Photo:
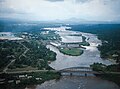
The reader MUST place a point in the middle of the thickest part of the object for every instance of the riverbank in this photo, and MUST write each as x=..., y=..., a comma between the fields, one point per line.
x=76, y=82
x=26, y=79
x=110, y=68
x=111, y=77
x=90, y=55
x=25, y=62
x=71, y=51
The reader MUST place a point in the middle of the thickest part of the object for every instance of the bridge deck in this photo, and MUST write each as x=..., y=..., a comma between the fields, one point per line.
x=85, y=70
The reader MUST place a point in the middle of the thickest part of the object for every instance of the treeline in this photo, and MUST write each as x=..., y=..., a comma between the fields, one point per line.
x=105, y=70
x=110, y=36
x=9, y=50
x=33, y=78
x=37, y=56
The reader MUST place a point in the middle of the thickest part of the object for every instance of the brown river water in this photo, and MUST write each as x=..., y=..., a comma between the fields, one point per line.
x=91, y=54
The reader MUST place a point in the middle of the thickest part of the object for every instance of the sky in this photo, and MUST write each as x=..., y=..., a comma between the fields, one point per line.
x=50, y=10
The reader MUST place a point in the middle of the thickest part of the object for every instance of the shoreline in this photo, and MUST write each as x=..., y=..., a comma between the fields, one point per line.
x=90, y=52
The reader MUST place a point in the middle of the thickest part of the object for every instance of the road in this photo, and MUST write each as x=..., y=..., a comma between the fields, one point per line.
x=4, y=70
x=61, y=71
x=27, y=71
x=23, y=54
x=89, y=72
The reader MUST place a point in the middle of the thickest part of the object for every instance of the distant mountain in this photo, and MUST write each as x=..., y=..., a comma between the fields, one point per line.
x=58, y=21
x=82, y=21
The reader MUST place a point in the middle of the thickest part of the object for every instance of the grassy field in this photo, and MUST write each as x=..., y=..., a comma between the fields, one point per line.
x=71, y=51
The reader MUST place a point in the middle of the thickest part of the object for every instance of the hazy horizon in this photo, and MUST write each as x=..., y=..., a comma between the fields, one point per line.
x=61, y=10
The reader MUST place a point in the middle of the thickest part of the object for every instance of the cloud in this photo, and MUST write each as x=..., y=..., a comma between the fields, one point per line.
x=55, y=0
x=2, y=0
x=97, y=10
x=82, y=1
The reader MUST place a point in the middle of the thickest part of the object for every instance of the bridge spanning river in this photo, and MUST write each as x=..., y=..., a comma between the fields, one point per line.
x=69, y=71
x=82, y=70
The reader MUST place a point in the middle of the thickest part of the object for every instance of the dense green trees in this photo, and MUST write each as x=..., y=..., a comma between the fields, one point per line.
x=9, y=50
x=110, y=36
x=37, y=56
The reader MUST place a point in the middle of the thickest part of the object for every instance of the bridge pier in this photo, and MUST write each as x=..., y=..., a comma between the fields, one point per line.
x=70, y=74
x=79, y=71
x=85, y=74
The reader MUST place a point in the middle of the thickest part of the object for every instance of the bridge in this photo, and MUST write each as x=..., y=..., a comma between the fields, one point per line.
x=84, y=71
x=67, y=71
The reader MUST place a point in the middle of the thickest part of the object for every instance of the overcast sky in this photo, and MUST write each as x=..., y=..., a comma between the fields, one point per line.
x=43, y=10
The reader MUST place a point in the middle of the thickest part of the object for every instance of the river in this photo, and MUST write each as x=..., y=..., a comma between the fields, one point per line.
x=91, y=54
x=76, y=83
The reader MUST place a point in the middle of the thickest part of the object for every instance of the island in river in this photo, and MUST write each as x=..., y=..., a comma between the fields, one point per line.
x=53, y=39
x=90, y=55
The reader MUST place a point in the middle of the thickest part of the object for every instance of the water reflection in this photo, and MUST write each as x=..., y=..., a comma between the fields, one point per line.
x=78, y=83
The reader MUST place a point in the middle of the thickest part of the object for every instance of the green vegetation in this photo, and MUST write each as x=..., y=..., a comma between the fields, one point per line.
x=44, y=76
x=109, y=34
x=110, y=45
x=111, y=77
x=9, y=50
x=23, y=68
x=75, y=35
x=29, y=54
x=71, y=51
x=111, y=68
x=37, y=56
x=30, y=78
x=98, y=67
x=102, y=67
x=84, y=43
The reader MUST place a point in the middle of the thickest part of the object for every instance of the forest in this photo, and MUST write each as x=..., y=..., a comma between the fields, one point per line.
x=109, y=34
